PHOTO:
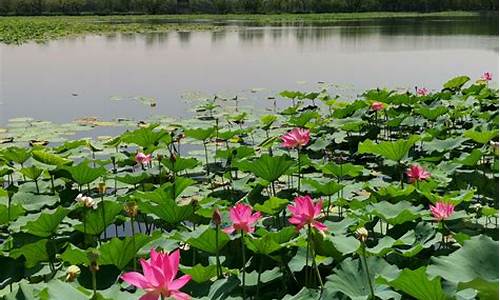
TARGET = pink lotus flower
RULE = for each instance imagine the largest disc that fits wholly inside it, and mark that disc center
(305, 212)
(296, 138)
(242, 218)
(422, 91)
(142, 158)
(376, 106)
(417, 173)
(487, 76)
(442, 210)
(159, 277)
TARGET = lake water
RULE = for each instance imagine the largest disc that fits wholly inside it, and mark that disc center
(67, 79)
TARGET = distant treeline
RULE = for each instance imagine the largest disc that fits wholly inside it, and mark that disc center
(105, 7)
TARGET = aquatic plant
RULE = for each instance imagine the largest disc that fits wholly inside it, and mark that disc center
(406, 201)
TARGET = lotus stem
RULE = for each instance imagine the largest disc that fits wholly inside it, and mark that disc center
(363, 257)
(217, 258)
(298, 164)
(206, 156)
(307, 257)
(133, 242)
(103, 216)
(94, 283)
(261, 263)
(244, 264)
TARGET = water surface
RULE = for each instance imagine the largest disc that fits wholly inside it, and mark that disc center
(67, 79)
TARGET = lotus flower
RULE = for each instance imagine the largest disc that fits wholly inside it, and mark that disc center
(376, 106)
(158, 279)
(142, 158)
(242, 218)
(422, 91)
(296, 138)
(442, 210)
(487, 76)
(305, 212)
(417, 173)
(86, 201)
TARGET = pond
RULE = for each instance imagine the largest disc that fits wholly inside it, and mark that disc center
(113, 76)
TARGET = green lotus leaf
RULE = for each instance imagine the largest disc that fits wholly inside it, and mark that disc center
(304, 294)
(33, 253)
(70, 145)
(167, 210)
(46, 223)
(344, 244)
(266, 121)
(265, 277)
(93, 218)
(395, 151)
(272, 205)
(470, 159)
(34, 202)
(267, 167)
(120, 252)
(350, 278)
(222, 288)
(303, 119)
(6, 216)
(262, 245)
(200, 134)
(23, 291)
(481, 137)
(324, 188)
(15, 154)
(83, 174)
(398, 213)
(58, 290)
(204, 238)
(32, 172)
(228, 134)
(485, 289)
(50, 158)
(133, 179)
(443, 145)
(456, 83)
(200, 273)
(291, 94)
(235, 154)
(168, 191)
(342, 170)
(180, 164)
(418, 285)
(432, 113)
(477, 259)
(5, 171)
(75, 256)
(144, 137)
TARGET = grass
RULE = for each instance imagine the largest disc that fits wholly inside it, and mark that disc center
(19, 30)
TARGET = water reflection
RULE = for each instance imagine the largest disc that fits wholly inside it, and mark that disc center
(39, 80)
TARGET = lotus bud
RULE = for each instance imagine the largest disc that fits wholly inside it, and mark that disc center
(72, 272)
(93, 255)
(86, 201)
(362, 234)
(102, 188)
(494, 146)
(216, 217)
(131, 209)
(173, 157)
(159, 157)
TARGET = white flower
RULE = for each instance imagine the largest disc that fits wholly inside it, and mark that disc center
(86, 201)
(72, 272)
